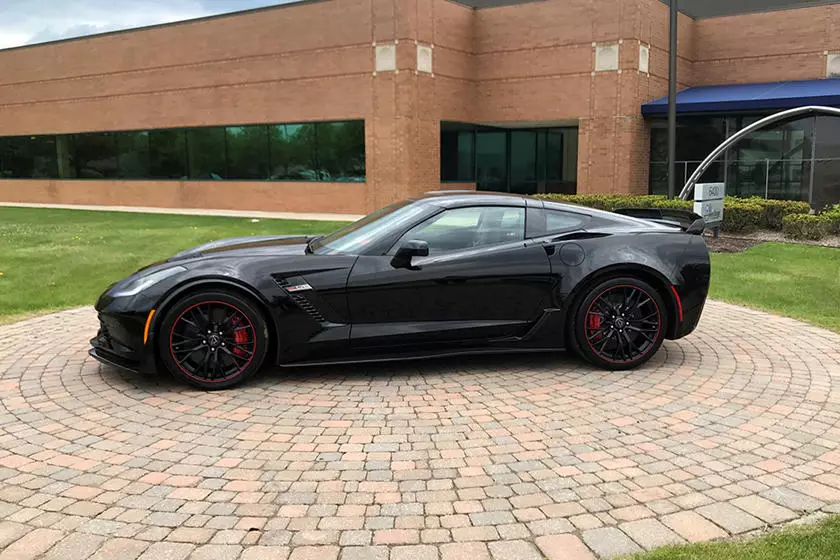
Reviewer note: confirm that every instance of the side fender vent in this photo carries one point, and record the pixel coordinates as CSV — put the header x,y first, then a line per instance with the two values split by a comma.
x,y
300,299
308,307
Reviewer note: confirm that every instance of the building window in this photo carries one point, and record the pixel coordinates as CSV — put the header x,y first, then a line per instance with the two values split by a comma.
x,y
247,152
133,148
96,155
293,152
524,161
168,154
773,162
206,153
328,151
341,149
32,156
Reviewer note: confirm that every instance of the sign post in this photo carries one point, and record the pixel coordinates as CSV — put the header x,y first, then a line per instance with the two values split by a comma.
x,y
708,203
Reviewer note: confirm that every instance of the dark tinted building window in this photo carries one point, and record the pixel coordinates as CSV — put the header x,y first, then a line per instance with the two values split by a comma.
x,y
133,148
491,160
457,153
96,155
206,154
28,156
525,161
168,154
328,151
65,149
341,151
247,152
293,154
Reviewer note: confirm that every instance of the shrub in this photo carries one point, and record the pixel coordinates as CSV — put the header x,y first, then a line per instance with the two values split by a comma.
x,y
806,226
741,216
832,214
775,210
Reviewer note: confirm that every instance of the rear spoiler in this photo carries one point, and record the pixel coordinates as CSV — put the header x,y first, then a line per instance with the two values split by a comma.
x,y
686,220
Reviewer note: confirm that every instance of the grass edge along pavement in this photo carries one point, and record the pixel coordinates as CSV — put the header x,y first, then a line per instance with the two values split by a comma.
x,y
819,540
797,281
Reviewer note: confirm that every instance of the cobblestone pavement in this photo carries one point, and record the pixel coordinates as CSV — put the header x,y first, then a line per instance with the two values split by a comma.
x,y
505,458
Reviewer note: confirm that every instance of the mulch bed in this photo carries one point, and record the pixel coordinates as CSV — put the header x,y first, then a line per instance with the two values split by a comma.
x,y
727,244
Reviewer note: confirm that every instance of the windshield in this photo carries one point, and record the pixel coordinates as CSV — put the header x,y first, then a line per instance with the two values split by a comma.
x,y
354,238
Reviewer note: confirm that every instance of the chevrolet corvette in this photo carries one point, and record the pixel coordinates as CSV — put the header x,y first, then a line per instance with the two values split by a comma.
x,y
445,274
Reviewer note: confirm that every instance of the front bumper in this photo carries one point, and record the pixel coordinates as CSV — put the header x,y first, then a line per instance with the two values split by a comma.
x,y
119,343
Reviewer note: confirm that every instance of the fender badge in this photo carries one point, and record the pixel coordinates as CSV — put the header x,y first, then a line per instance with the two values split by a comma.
x,y
299,288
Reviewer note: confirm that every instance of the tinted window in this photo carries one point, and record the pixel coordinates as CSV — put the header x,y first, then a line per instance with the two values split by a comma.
x,y
457,153
328,151
465,228
133,150
168,154
341,151
96,155
247,152
206,153
546,222
293,152
28,157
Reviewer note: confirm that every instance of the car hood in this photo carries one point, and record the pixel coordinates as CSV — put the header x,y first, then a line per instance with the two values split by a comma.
x,y
245,246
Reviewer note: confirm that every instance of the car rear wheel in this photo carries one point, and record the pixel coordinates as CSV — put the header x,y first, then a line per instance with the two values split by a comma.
x,y
213,340
620,324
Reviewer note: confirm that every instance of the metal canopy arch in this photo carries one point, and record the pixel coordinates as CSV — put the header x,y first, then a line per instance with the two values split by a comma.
x,y
782,115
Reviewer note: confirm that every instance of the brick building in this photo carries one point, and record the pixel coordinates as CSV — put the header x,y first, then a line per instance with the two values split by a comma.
x,y
346,105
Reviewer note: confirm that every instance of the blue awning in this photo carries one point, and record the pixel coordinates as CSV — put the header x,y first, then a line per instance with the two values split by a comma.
x,y
750,97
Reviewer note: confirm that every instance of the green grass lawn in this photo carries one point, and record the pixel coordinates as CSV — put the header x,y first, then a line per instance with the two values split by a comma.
x,y
799,281
54,259
810,542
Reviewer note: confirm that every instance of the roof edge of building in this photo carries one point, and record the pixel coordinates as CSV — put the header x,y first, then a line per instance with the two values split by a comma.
x,y
292,4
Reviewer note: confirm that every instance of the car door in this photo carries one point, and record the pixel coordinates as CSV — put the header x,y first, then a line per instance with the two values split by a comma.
x,y
479,282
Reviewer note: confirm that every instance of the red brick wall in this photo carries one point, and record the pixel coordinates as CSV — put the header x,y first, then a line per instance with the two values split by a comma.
x,y
766,47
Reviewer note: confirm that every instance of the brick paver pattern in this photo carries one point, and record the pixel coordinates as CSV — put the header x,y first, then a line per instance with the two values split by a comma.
x,y
725,432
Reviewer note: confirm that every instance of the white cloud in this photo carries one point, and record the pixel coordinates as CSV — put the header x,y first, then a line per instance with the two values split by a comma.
x,y
35,21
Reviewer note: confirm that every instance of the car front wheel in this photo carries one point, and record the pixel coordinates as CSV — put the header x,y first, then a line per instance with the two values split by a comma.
x,y
213,339
620,324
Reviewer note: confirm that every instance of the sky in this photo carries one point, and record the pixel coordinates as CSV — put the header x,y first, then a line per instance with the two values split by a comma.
x,y
26,22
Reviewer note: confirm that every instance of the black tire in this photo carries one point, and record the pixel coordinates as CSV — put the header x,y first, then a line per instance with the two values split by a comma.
x,y
620,323
231,352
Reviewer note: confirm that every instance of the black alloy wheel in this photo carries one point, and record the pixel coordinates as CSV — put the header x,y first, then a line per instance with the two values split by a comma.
x,y
621,323
213,340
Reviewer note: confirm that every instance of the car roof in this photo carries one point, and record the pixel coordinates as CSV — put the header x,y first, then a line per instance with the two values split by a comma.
x,y
450,199
456,199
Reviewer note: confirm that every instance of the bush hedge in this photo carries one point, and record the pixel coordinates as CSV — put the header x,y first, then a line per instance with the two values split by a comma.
x,y
832,213
740,214
806,226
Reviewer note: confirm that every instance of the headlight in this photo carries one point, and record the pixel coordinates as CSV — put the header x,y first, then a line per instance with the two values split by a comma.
x,y
139,284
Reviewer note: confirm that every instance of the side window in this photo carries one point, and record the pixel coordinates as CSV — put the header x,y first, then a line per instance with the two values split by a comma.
x,y
465,228
545,222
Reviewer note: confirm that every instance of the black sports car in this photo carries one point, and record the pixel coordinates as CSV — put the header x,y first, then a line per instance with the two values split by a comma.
x,y
449,273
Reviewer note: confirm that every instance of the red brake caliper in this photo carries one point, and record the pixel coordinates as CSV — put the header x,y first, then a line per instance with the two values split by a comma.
x,y
595,323
239,336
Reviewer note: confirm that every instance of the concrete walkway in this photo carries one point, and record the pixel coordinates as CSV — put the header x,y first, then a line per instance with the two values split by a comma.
x,y
195,212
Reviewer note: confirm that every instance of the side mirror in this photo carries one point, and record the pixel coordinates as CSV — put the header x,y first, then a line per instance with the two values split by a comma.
x,y
407,251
